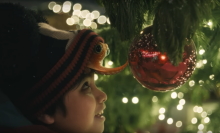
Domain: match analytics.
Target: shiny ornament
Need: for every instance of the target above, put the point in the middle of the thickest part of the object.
(153, 69)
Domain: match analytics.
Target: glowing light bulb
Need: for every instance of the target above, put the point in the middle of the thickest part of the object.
(173, 95)
(154, 99)
(194, 120)
(51, 5)
(170, 121)
(162, 110)
(135, 100)
(125, 100)
(96, 77)
(161, 117)
(178, 123)
(77, 6)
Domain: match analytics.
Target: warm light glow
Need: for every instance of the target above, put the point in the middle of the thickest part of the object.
(135, 100)
(108, 21)
(154, 99)
(87, 22)
(163, 57)
(66, 6)
(178, 123)
(125, 100)
(199, 64)
(96, 14)
(161, 117)
(76, 19)
(170, 121)
(182, 102)
(93, 25)
(191, 83)
(173, 95)
(194, 120)
(209, 23)
(102, 19)
(162, 110)
(70, 21)
(204, 61)
(77, 13)
(204, 114)
(84, 13)
(110, 63)
(90, 16)
(201, 52)
(51, 5)
(212, 77)
(141, 32)
(56, 8)
(96, 77)
(201, 82)
(201, 127)
(206, 120)
(180, 95)
(77, 6)
(179, 107)
(199, 109)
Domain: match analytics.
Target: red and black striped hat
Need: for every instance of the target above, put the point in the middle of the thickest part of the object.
(34, 75)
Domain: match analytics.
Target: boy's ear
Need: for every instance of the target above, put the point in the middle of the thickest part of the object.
(47, 119)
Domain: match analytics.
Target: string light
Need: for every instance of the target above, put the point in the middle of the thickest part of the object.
(110, 63)
(154, 99)
(96, 77)
(201, 127)
(51, 5)
(125, 100)
(178, 123)
(57, 8)
(93, 25)
(135, 100)
(194, 120)
(191, 83)
(161, 117)
(70, 21)
(170, 121)
(206, 120)
(77, 6)
(180, 95)
(102, 19)
(162, 110)
(96, 14)
(173, 95)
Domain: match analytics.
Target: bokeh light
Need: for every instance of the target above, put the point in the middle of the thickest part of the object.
(96, 77)
(180, 95)
(162, 110)
(93, 25)
(194, 120)
(207, 120)
(135, 100)
(102, 19)
(170, 121)
(84, 13)
(173, 95)
(191, 83)
(87, 22)
(179, 123)
(179, 107)
(77, 6)
(57, 8)
(96, 14)
(154, 99)
(70, 21)
(182, 102)
(110, 63)
(201, 127)
(161, 117)
(51, 5)
(125, 100)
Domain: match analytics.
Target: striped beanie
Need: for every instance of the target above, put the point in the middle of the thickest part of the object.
(39, 63)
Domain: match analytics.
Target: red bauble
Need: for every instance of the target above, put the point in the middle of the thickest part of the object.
(153, 69)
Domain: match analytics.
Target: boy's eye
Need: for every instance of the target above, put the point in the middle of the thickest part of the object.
(86, 87)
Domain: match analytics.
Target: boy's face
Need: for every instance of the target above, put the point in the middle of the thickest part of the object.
(83, 103)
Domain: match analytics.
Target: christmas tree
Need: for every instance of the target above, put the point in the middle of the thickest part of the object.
(191, 108)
